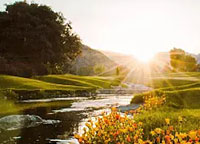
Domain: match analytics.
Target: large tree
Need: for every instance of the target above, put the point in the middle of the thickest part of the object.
(181, 61)
(37, 36)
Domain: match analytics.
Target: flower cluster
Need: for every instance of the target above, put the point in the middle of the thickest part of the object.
(114, 128)
(150, 102)
(171, 136)
(153, 102)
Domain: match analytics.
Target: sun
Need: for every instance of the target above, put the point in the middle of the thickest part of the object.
(144, 57)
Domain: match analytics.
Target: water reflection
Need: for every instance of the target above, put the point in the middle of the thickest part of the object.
(42, 133)
(72, 120)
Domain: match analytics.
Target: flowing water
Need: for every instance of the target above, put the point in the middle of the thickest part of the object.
(55, 124)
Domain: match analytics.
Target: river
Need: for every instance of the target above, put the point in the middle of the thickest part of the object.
(69, 119)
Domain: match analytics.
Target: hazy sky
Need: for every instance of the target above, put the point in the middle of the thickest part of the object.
(132, 26)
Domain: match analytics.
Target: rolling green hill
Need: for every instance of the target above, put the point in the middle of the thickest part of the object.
(182, 93)
(181, 89)
(57, 82)
(13, 82)
(84, 81)
(48, 86)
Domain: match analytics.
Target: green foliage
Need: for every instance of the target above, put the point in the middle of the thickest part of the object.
(33, 37)
(6, 106)
(198, 67)
(117, 71)
(84, 70)
(181, 61)
(98, 69)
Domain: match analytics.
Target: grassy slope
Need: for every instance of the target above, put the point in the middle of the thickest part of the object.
(50, 82)
(182, 99)
(86, 81)
(13, 82)
(56, 82)
(168, 82)
(10, 107)
(176, 86)
(156, 119)
(173, 79)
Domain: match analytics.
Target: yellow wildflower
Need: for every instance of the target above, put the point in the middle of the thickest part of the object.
(183, 135)
(180, 119)
(167, 120)
(140, 123)
(192, 134)
(158, 130)
(140, 141)
(153, 133)
(114, 109)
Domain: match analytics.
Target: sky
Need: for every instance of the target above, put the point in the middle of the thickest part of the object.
(132, 26)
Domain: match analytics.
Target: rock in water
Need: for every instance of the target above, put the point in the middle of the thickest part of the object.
(69, 141)
(128, 107)
(14, 122)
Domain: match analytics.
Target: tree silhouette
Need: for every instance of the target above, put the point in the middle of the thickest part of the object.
(180, 61)
(35, 35)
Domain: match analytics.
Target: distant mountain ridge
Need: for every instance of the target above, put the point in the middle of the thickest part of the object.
(160, 62)
(88, 59)
(121, 59)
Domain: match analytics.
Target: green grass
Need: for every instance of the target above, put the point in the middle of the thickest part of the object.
(53, 85)
(41, 86)
(182, 91)
(105, 82)
(168, 82)
(158, 80)
(13, 82)
(156, 119)
(57, 82)
(186, 96)
(86, 81)
(181, 87)
(11, 107)
(181, 74)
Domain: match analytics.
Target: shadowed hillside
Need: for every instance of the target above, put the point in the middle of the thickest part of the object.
(89, 59)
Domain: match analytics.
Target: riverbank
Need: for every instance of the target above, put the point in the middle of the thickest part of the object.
(14, 89)
(51, 85)
(72, 113)
(168, 114)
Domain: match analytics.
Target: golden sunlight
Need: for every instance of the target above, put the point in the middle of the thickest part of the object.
(145, 56)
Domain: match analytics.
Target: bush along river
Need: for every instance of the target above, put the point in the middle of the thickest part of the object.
(58, 120)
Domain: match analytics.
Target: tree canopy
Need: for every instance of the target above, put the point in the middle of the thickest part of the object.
(36, 36)
(181, 61)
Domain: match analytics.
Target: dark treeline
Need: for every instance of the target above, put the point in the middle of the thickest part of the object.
(183, 62)
(35, 40)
